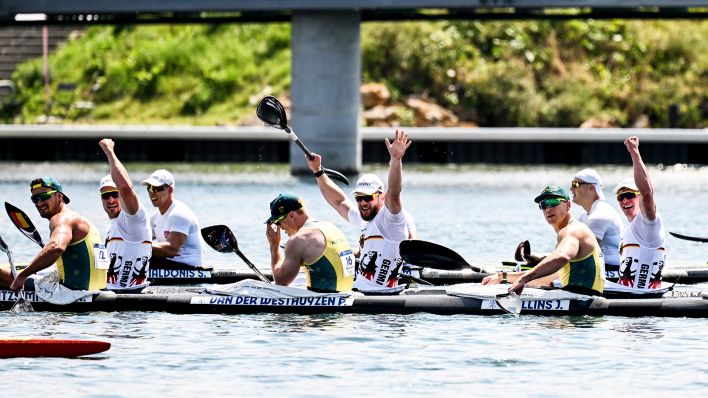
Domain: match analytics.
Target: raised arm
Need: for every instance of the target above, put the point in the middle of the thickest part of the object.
(120, 176)
(330, 191)
(395, 171)
(641, 177)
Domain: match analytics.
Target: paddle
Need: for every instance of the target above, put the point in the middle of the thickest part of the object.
(691, 238)
(24, 224)
(432, 255)
(21, 305)
(272, 113)
(221, 239)
(509, 302)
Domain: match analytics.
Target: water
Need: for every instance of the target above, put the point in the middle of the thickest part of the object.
(481, 212)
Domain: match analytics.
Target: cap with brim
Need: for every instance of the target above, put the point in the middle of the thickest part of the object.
(552, 191)
(159, 178)
(282, 205)
(591, 176)
(368, 184)
(628, 184)
(51, 183)
(107, 181)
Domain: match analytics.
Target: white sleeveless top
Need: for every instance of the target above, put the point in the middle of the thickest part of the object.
(380, 259)
(129, 246)
(643, 253)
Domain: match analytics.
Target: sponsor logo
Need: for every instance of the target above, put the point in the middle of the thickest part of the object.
(273, 302)
(179, 273)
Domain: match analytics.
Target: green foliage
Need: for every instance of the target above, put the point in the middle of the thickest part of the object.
(510, 73)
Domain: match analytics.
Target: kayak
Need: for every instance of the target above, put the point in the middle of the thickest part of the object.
(436, 300)
(65, 348)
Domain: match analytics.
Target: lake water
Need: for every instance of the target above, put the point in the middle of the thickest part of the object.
(480, 211)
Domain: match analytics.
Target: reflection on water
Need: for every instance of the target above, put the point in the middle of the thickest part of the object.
(572, 322)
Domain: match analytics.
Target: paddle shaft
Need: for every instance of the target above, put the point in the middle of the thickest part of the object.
(253, 267)
(333, 174)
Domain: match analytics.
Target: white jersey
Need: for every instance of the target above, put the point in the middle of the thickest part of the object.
(129, 246)
(643, 253)
(380, 260)
(179, 218)
(606, 224)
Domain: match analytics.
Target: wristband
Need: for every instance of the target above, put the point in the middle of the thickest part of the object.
(504, 277)
(319, 173)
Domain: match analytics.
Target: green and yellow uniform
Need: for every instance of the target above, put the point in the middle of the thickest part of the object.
(585, 273)
(83, 264)
(333, 271)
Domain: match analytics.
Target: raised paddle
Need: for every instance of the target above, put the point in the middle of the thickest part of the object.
(221, 239)
(272, 113)
(432, 255)
(691, 238)
(21, 305)
(24, 224)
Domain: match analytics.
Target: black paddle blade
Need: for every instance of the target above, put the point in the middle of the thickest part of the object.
(3, 246)
(691, 238)
(220, 238)
(272, 112)
(23, 223)
(432, 255)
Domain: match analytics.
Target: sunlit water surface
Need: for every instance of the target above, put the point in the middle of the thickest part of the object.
(481, 212)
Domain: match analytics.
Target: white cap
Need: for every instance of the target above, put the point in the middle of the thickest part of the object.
(591, 177)
(368, 184)
(627, 183)
(159, 178)
(106, 181)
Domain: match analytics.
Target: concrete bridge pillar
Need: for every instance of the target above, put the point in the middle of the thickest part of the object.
(326, 74)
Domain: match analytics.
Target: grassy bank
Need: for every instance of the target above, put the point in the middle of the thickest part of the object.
(531, 73)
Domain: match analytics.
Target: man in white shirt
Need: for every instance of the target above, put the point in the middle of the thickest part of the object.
(642, 247)
(378, 214)
(175, 228)
(129, 238)
(604, 221)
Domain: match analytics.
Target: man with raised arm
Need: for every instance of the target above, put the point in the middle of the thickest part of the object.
(642, 247)
(74, 244)
(175, 228)
(378, 215)
(576, 259)
(129, 238)
(603, 220)
(317, 246)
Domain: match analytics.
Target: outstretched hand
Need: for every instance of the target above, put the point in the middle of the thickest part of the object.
(632, 143)
(399, 146)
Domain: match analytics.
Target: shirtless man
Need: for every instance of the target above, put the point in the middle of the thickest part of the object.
(75, 245)
(576, 260)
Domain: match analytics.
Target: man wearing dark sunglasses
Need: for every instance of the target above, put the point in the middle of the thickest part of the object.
(129, 237)
(603, 220)
(175, 228)
(642, 247)
(74, 245)
(317, 246)
(576, 260)
(378, 214)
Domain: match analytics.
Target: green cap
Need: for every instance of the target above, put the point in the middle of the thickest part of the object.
(49, 182)
(552, 191)
(282, 205)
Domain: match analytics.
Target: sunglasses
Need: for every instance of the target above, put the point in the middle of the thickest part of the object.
(575, 184)
(160, 188)
(551, 202)
(42, 196)
(279, 220)
(109, 194)
(626, 195)
(365, 198)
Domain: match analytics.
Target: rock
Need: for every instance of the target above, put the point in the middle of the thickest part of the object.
(373, 94)
(598, 122)
(381, 116)
(428, 113)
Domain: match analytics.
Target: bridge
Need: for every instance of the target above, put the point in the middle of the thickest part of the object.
(326, 42)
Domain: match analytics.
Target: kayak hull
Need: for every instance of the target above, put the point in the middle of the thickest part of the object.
(435, 302)
(64, 348)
